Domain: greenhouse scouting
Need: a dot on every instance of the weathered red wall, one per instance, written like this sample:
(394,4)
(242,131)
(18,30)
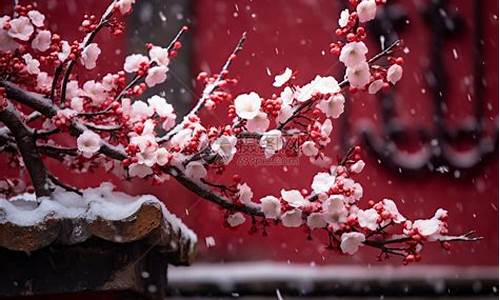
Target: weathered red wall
(294,33)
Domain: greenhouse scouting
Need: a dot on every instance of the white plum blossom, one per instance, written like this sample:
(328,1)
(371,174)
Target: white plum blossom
(72,89)
(42,40)
(390,206)
(247,105)
(259,123)
(309,148)
(292,218)
(359,75)
(65,51)
(124,6)
(245,193)
(280,80)
(366,10)
(162,156)
(394,73)
(20,28)
(156,75)
(134,62)
(357,167)
(89,56)
(428,227)
(368,218)
(344,18)
(332,107)
(195,170)
(161,107)
(284,114)
(335,211)
(322,182)
(44,81)
(88,143)
(271,141)
(95,91)
(319,85)
(356,188)
(235,219)
(315,220)
(32,64)
(159,55)
(287,95)
(375,86)
(294,198)
(36,17)
(225,147)
(353,54)
(351,241)
(271,207)
(139,170)
(76,104)
(140,110)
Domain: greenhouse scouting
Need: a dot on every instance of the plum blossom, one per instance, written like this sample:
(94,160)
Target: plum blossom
(245,193)
(124,6)
(375,86)
(235,219)
(280,80)
(259,123)
(76,104)
(32,64)
(89,56)
(20,28)
(368,218)
(356,189)
(358,75)
(333,106)
(315,220)
(284,114)
(292,218)
(287,95)
(294,198)
(272,142)
(159,55)
(322,182)
(394,73)
(42,40)
(427,227)
(271,207)
(319,85)
(353,54)
(225,147)
(309,148)
(325,130)
(134,62)
(351,241)
(344,18)
(140,110)
(160,106)
(36,17)
(366,10)
(335,211)
(88,143)
(357,167)
(162,156)
(195,170)
(65,51)
(390,207)
(247,105)
(156,75)
(43,81)
(139,170)
(95,91)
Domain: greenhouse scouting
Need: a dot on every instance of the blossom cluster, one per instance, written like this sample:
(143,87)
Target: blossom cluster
(115,125)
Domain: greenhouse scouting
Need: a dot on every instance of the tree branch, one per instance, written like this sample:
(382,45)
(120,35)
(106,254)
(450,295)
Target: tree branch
(27,147)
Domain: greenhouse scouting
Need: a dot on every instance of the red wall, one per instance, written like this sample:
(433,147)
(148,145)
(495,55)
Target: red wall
(294,33)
